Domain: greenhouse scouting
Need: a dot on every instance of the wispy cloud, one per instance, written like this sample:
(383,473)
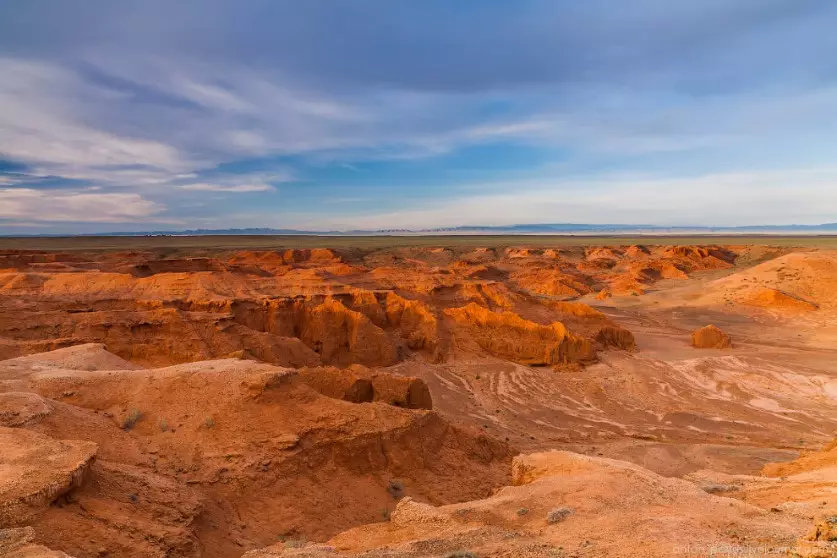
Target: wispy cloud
(238,189)
(41,206)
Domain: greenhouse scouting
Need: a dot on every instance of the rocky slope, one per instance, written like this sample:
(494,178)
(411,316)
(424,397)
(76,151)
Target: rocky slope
(210,458)
(566,504)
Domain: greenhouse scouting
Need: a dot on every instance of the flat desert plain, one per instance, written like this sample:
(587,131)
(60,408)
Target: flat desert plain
(418,397)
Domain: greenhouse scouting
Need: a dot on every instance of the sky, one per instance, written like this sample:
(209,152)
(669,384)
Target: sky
(389,114)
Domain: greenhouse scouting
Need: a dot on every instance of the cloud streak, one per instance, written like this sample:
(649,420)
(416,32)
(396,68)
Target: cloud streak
(78,207)
(237,189)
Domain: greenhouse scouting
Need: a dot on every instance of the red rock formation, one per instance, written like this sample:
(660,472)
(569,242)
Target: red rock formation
(415,320)
(251,445)
(18,543)
(551,282)
(341,335)
(360,384)
(507,335)
(710,337)
(616,336)
(625,502)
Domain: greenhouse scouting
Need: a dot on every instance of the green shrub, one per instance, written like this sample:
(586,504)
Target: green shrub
(131,419)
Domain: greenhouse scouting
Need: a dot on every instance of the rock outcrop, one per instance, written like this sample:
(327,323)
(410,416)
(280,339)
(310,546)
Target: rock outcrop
(710,337)
(509,336)
(18,543)
(35,470)
(624,502)
(301,307)
(359,384)
(253,449)
(616,336)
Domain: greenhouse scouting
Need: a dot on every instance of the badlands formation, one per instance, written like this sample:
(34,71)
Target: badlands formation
(575,401)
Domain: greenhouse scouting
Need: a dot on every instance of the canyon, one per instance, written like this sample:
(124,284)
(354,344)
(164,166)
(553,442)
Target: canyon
(450,398)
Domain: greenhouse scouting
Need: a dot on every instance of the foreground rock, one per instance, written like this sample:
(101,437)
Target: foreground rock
(606,508)
(213,458)
(710,337)
(17,543)
(804,489)
(35,470)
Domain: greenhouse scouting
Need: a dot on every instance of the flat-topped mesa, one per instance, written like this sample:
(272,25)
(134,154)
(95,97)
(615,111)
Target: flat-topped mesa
(507,335)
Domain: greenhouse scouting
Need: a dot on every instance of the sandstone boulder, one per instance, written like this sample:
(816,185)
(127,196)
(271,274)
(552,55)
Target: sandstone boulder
(710,337)
(616,336)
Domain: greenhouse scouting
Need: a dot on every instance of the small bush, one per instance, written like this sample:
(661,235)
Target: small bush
(559,514)
(522,511)
(294,543)
(164,425)
(209,422)
(713,488)
(131,419)
(396,489)
(461,554)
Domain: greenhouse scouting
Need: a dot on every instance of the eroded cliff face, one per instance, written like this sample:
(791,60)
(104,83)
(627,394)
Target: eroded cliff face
(309,307)
(507,335)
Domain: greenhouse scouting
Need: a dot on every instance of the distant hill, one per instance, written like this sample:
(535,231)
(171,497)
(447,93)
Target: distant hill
(537,228)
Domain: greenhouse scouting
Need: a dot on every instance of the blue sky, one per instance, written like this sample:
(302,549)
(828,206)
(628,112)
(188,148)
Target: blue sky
(344,114)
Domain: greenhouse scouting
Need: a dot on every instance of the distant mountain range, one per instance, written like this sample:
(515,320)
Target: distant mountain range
(541,228)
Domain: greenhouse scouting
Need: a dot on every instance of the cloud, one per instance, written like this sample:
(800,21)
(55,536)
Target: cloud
(40,206)
(238,189)
(41,123)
